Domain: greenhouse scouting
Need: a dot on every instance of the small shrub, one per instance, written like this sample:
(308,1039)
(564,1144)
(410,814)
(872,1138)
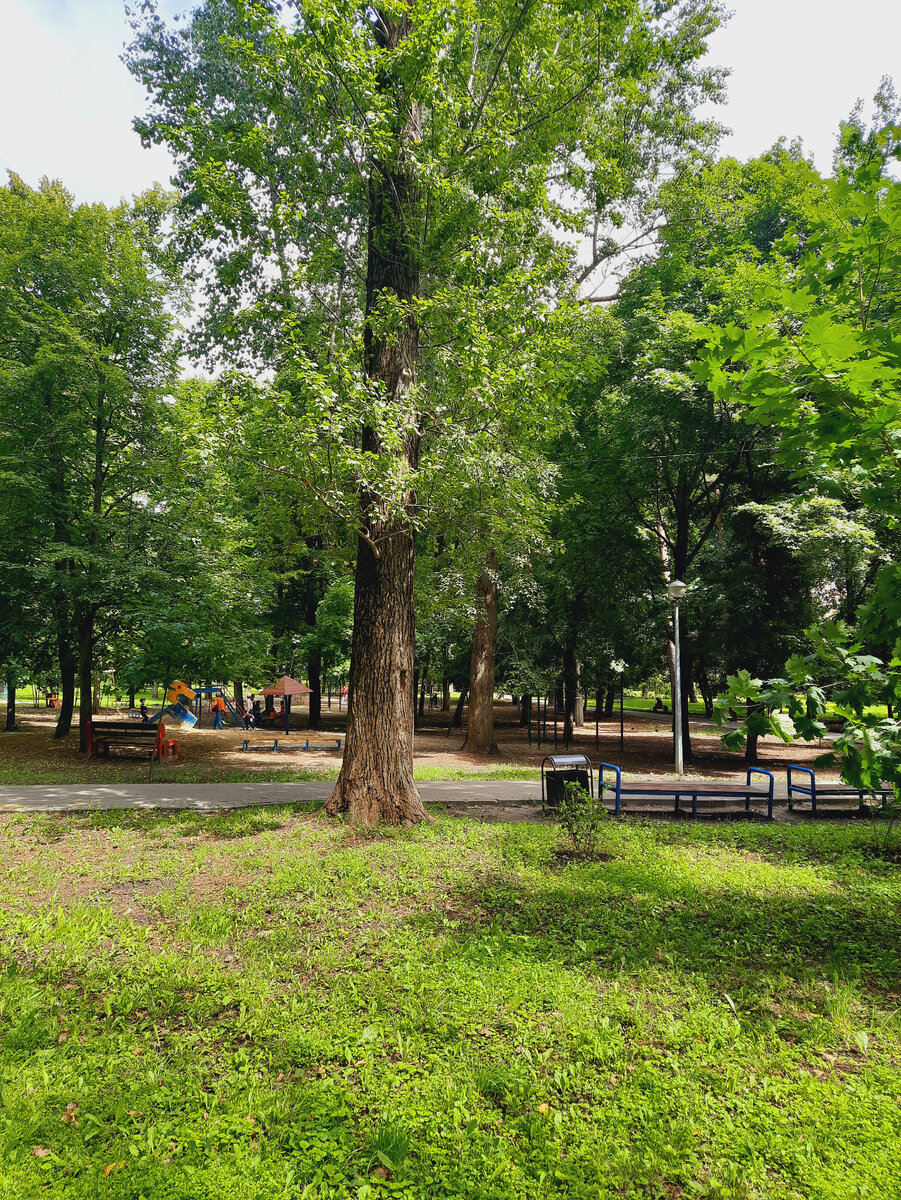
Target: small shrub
(884,824)
(493,1081)
(390,1145)
(582,816)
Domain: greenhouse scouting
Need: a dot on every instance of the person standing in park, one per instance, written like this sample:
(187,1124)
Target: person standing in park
(248,714)
(218,707)
(145,716)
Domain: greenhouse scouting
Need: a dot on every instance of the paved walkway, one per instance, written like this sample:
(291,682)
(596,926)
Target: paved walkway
(208,797)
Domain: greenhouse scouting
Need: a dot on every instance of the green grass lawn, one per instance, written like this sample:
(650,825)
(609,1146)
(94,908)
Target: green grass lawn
(267,1005)
(646,703)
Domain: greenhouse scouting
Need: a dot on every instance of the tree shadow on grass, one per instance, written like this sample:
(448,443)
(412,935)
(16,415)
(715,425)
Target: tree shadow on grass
(219,823)
(624,915)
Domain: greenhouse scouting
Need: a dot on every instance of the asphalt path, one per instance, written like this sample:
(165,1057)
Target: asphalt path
(212,797)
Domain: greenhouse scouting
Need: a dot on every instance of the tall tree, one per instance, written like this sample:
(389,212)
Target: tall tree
(346,158)
(86,354)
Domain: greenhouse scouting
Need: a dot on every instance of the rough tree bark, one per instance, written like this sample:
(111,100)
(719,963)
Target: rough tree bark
(10,705)
(376,779)
(480,737)
(67,687)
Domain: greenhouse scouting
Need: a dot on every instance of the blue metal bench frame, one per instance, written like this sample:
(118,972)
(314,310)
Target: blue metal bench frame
(828,791)
(678,790)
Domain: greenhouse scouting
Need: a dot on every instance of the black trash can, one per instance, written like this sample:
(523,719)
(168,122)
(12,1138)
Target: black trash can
(564,769)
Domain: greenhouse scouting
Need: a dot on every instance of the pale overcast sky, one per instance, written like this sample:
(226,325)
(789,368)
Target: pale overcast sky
(67,101)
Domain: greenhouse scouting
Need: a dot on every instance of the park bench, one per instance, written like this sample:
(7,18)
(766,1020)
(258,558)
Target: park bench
(814,791)
(148,741)
(287,741)
(694,790)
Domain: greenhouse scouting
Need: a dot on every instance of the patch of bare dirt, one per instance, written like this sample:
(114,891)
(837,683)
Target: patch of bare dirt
(210,755)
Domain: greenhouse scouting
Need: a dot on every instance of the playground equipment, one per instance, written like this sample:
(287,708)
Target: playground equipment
(178,696)
(229,702)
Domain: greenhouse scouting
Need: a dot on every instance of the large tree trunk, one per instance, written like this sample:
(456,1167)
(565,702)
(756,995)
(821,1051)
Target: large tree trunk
(376,779)
(67,687)
(480,737)
(238,689)
(85,677)
(10,705)
(525,709)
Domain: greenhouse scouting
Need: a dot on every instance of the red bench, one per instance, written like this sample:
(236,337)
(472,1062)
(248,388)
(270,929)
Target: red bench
(144,741)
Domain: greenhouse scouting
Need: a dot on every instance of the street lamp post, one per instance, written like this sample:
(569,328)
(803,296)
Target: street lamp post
(676,590)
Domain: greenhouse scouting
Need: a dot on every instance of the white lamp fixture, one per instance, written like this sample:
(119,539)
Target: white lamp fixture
(676,590)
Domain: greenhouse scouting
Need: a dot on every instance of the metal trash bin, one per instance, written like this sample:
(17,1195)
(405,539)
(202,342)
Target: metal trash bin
(564,769)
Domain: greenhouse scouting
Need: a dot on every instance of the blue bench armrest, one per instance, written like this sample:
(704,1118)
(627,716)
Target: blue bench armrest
(800,787)
(611,787)
(771,777)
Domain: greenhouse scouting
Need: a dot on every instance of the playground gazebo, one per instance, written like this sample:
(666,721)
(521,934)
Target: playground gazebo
(286,687)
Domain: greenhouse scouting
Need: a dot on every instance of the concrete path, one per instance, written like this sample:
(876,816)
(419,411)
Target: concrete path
(208,797)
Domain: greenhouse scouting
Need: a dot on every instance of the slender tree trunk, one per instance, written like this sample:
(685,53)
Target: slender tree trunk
(131,697)
(96,696)
(445,691)
(751,744)
(314,672)
(376,779)
(570,688)
(10,705)
(422,682)
(457,719)
(705,689)
(609,699)
(480,737)
(525,707)
(85,676)
(67,687)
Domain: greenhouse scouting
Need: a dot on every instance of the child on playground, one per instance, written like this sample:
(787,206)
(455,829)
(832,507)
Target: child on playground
(248,714)
(218,707)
